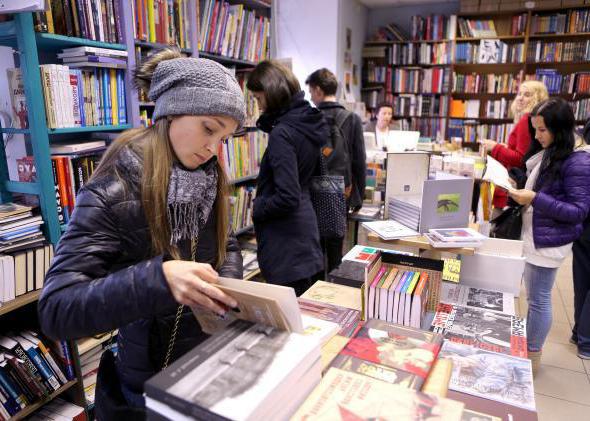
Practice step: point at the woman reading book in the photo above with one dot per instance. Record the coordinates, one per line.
(149, 235)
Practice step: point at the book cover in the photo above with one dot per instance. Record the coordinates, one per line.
(343, 395)
(347, 318)
(20, 119)
(400, 347)
(488, 410)
(237, 373)
(26, 170)
(479, 298)
(490, 375)
(340, 295)
(484, 329)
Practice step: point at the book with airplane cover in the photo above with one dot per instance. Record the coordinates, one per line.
(245, 372)
(390, 352)
(483, 299)
(346, 396)
(490, 375)
(489, 330)
(348, 319)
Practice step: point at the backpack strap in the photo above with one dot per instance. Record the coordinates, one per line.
(341, 117)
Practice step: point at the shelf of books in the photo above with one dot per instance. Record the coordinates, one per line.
(481, 57)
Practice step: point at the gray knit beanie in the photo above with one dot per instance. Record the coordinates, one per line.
(196, 86)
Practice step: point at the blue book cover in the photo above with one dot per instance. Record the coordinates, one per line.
(98, 97)
(14, 395)
(41, 364)
(121, 98)
(80, 83)
(106, 95)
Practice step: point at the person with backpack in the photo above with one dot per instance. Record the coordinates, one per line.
(345, 152)
(285, 221)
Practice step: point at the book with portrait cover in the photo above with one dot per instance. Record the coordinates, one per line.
(346, 396)
(245, 372)
(490, 375)
(489, 330)
(392, 353)
(480, 298)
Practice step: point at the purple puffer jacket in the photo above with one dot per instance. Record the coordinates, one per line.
(561, 206)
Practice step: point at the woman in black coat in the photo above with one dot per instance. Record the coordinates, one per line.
(154, 204)
(289, 251)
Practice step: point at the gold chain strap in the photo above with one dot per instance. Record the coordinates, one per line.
(178, 313)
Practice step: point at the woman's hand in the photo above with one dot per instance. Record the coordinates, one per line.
(523, 197)
(489, 145)
(191, 285)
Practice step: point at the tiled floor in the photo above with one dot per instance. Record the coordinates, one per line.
(562, 385)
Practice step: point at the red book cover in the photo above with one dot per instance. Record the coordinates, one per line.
(213, 26)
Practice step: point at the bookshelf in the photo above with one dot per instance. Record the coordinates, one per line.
(515, 31)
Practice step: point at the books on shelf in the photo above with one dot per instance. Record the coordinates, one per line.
(245, 372)
(162, 21)
(421, 105)
(581, 108)
(578, 83)
(479, 298)
(420, 81)
(83, 97)
(60, 409)
(19, 109)
(461, 108)
(423, 53)
(233, 31)
(98, 20)
(550, 52)
(487, 83)
(241, 203)
(240, 156)
(473, 28)
(252, 109)
(470, 132)
(490, 375)
(345, 395)
(483, 329)
(90, 359)
(23, 270)
(489, 51)
(432, 27)
(389, 32)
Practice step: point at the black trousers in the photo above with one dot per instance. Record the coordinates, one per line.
(581, 272)
(301, 285)
(332, 248)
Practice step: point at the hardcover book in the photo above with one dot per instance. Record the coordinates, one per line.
(344, 395)
(484, 329)
(490, 375)
(340, 295)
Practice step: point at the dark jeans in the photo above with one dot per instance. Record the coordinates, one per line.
(301, 285)
(332, 248)
(581, 272)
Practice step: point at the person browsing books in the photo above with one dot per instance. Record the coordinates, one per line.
(556, 200)
(511, 154)
(149, 235)
(285, 222)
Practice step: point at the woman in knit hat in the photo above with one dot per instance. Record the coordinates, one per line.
(149, 235)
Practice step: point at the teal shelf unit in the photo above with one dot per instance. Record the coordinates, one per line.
(20, 35)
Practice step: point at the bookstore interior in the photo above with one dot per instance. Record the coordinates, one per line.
(460, 286)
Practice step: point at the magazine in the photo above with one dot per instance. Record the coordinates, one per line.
(490, 375)
(489, 330)
(346, 396)
(484, 299)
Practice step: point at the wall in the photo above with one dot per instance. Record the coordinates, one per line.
(307, 32)
(401, 15)
(352, 15)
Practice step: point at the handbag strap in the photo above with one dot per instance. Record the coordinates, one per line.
(323, 164)
(179, 311)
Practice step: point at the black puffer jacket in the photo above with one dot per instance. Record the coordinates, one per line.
(103, 278)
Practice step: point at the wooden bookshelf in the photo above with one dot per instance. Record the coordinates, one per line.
(503, 25)
(31, 408)
(19, 302)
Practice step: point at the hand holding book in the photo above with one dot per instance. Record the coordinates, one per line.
(191, 284)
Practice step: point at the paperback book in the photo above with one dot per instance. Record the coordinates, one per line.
(390, 230)
(347, 318)
(479, 298)
(484, 329)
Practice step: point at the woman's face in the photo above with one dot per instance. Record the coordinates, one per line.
(195, 139)
(384, 117)
(523, 98)
(542, 133)
(261, 99)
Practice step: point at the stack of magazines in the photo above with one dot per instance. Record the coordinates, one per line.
(18, 227)
(406, 209)
(454, 237)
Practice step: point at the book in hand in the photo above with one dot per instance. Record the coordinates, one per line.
(497, 174)
(390, 352)
(245, 372)
(390, 230)
(268, 304)
(484, 329)
(482, 299)
(343, 395)
(490, 375)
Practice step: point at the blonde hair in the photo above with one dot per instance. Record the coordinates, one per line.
(153, 145)
(540, 94)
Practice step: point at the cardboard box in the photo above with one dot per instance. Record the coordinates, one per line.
(568, 3)
(511, 5)
(546, 4)
(488, 6)
(469, 6)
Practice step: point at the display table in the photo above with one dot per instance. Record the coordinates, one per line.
(419, 242)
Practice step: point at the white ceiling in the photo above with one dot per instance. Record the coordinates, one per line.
(386, 3)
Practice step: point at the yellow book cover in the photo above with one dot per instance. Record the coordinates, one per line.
(49, 15)
(437, 382)
(180, 29)
(340, 295)
(151, 21)
(114, 97)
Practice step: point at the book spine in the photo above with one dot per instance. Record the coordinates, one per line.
(21, 386)
(109, 18)
(68, 17)
(43, 368)
(60, 209)
(9, 403)
(89, 19)
(73, 79)
(36, 389)
(57, 12)
(82, 18)
(14, 392)
(118, 20)
(63, 190)
(31, 367)
(68, 363)
(75, 19)
(151, 21)
(104, 23)
(106, 97)
(51, 361)
(121, 97)
(114, 97)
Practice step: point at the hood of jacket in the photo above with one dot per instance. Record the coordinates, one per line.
(301, 116)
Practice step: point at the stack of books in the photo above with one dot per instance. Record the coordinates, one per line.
(454, 237)
(390, 230)
(19, 227)
(29, 371)
(406, 209)
(60, 409)
(23, 270)
(91, 350)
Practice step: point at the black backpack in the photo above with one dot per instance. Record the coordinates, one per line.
(335, 150)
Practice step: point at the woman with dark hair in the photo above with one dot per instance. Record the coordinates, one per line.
(581, 272)
(289, 251)
(556, 199)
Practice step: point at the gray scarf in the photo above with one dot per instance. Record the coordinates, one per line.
(191, 194)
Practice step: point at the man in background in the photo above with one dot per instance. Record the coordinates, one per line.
(322, 87)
